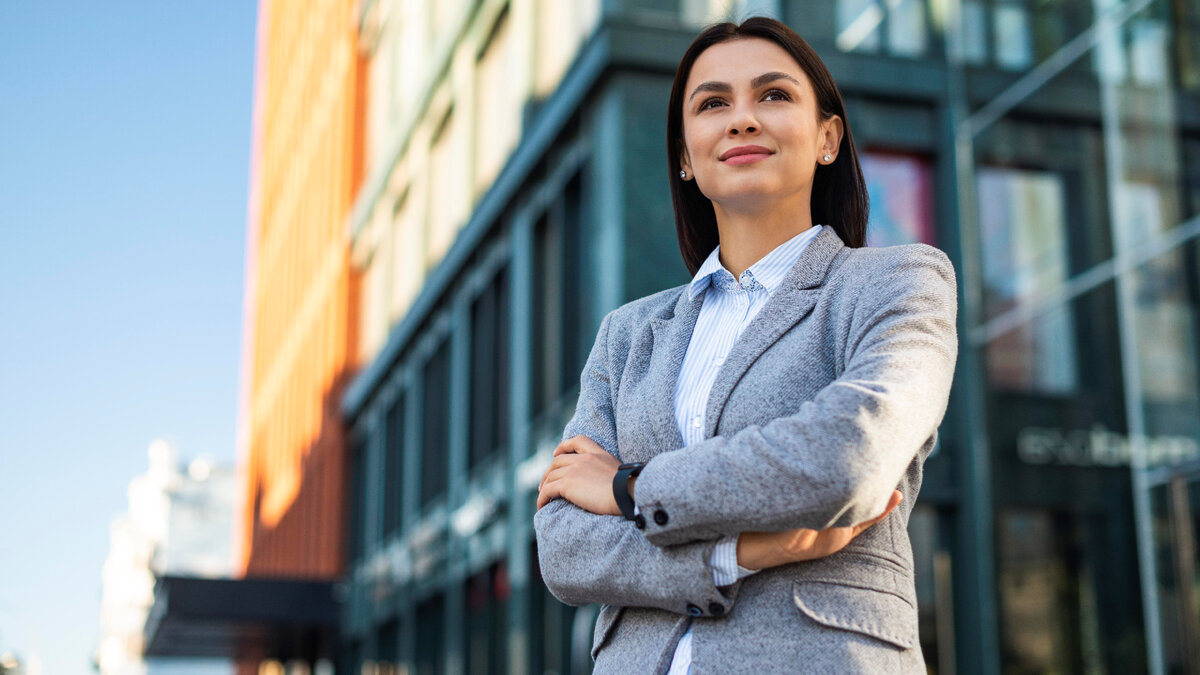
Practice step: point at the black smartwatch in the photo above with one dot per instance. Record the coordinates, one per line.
(621, 487)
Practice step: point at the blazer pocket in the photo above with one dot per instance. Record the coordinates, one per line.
(877, 613)
(606, 623)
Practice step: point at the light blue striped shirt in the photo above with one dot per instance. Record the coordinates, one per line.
(729, 306)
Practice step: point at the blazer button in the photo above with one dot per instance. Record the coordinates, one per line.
(660, 517)
(640, 521)
(694, 610)
(716, 608)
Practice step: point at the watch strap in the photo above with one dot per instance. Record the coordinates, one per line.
(621, 487)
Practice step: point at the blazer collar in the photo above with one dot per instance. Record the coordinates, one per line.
(790, 303)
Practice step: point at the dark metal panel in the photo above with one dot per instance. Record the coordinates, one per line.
(268, 618)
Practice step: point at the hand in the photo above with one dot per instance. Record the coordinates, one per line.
(582, 473)
(758, 550)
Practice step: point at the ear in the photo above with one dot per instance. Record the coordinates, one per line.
(831, 136)
(685, 160)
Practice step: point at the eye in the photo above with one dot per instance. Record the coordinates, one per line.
(710, 103)
(776, 95)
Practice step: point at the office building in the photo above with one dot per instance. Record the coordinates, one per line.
(516, 192)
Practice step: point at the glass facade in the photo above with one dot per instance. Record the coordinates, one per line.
(1086, 283)
(1052, 149)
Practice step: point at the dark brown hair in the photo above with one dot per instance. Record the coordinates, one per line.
(839, 193)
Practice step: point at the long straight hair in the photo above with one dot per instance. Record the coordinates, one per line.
(839, 193)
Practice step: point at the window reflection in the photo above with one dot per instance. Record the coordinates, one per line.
(900, 189)
(1023, 235)
(1166, 324)
(862, 26)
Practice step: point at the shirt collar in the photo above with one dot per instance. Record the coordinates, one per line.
(769, 271)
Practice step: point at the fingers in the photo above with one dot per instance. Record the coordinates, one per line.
(893, 502)
(548, 491)
(558, 463)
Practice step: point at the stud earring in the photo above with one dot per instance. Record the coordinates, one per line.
(683, 175)
(827, 157)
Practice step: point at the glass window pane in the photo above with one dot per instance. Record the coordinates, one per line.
(900, 189)
(436, 428)
(974, 32)
(393, 466)
(497, 107)
(450, 199)
(906, 27)
(1022, 233)
(1166, 317)
(1014, 43)
(489, 370)
(858, 25)
(431, 635)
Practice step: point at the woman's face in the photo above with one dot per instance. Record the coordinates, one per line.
(751, 132)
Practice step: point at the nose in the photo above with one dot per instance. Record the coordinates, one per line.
(743, 122)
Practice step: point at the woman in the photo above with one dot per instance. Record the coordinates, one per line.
(729, 483)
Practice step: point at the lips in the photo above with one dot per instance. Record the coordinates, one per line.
(744, 154)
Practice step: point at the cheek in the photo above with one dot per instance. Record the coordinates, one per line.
(698, 138)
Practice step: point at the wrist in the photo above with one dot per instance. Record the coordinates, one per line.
(751, 552)
(622, 485)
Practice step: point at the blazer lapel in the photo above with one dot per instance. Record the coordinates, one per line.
(672, 334)
(790, 303)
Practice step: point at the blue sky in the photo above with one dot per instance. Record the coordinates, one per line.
(124, 159)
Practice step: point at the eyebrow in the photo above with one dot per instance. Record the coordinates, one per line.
(725, 88)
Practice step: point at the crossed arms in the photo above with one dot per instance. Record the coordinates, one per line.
(837, 459)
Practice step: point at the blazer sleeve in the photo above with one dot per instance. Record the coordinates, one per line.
(836, 461)
(588, 558)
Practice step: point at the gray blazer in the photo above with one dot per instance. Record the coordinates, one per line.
(830, 399)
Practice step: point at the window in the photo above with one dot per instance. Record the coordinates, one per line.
(561, 28)
(1187, 44)
(431, 634)
(489, 370)
(1016, 34)
(895, 26)
(450, 201)
(497, 106)
(387, 650)
(557, 301)
(550, 627)
(393, 466)
(408, 264)
(1013, 35)
(435, 439)
(486, 621)
(900, 189)
(1024, 245)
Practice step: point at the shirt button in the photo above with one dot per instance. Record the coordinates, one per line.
(694, 610)
(719, 360)
(696, 422)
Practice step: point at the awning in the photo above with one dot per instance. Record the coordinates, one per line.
(242, 618)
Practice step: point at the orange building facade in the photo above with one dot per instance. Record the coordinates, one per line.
(298, 342)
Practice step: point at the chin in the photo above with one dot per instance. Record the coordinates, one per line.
(744, 197)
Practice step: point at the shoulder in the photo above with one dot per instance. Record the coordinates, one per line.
(888, 270)
(896, 260)
(638, 312)
(619, 327)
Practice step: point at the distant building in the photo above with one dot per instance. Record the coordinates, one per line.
(299, 351)
(179, 522)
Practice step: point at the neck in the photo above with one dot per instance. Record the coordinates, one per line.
(748, 235)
